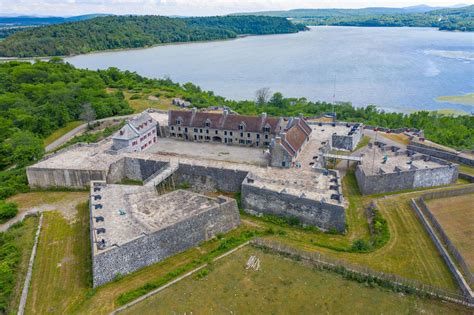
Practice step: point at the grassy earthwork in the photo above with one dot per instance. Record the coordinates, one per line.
(280, 286)
(23, 238)
(466, 169)
(142, 101)
(61, 132)
(62, 272)
(456, 216)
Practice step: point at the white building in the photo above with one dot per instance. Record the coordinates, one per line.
(138, 134)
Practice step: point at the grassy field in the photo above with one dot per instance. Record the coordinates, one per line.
(397, 137)
(24, 239)
(281, 286)
(363, 142)
(61, 274)
(62, 131)
(467, 99)
(456, 216)
(466, 169)
(141, 101)
(62, 266)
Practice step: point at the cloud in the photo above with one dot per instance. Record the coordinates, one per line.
(185, 7)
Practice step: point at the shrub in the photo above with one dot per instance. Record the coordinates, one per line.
(8, 210)
(360, 245)
(202, 273)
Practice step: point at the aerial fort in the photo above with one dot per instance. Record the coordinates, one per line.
(181, 158)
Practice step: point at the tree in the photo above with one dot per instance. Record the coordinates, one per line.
(262, 96)
(88, 113)
(26, 148)
(8, 210)
(277, 100)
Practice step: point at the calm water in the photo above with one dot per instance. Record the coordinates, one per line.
(400, 69)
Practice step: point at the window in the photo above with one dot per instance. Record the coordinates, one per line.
(179, 128)
(266, 136)
(258, 136)
(200, 130)
(242, 134)
(207, 130)
(283, 164)
(208, 124)
(248, 135)
(231, 133)
(195, 130)
(241, 126)
(217, 132)
(172, 127)
(241, 141)
(266, 129)
(225, 132)
(185, 129)
(178, 121)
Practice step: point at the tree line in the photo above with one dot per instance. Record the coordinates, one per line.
(115, 32)
(38, 98)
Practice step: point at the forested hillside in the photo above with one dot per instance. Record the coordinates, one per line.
(37, 99)
(113, 32)
(458, 19)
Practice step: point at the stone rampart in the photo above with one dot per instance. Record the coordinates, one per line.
(133, 168)
(381, 183)
(439, 153)
(324, 215)
(48, 177)
(203, 178)
(149, 249)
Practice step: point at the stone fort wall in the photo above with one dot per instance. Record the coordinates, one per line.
(149, 249)
(47, 177)
(381, 183)
(445, 155)
(203, 178)
(325, 216)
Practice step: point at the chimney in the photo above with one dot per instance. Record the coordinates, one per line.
(194, 110)
(225, 112)
(278, 140)
(301, 116)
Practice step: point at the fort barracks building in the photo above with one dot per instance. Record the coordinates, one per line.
(224, 127)
(138, 134)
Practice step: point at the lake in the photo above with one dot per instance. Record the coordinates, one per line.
(398, 69)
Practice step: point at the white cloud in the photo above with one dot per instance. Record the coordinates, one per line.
(189, 7)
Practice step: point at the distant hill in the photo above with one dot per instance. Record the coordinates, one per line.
(456, 18)
(12, 24)
(34, 20)
(115, 32)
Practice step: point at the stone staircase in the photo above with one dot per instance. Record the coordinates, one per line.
(162, 174)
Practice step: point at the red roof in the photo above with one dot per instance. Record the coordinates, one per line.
(225, 121)
(296, 136)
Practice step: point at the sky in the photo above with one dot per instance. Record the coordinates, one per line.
(191, 7)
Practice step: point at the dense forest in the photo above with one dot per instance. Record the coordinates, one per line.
(113, 32)
(39, 98)
(455, 19)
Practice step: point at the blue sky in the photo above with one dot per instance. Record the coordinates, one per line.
(190, 7)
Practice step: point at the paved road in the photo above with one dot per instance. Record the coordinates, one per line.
(79, 129)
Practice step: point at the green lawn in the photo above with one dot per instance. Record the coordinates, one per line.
(281, 286)
(23, 237)
(62, 131)
(466, 169)
(363, 142)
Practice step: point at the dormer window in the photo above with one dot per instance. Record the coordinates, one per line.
(121, 132)
(178, 121)
(266, 128)
(207, 123)
(242, 126)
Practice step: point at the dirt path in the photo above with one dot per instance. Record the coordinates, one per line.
(36, 202)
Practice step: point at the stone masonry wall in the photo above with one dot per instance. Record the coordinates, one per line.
(149, 249)
(264, 201)
(381, 183)
(445, 155)
(204, 179)
(136, 169)
(47, 177)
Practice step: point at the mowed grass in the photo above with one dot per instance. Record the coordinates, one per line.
(61, 272)
(61, 132)
(281, 286)
(397, 137)
(456, 216)
(141, 101)
(409, 253)
(24, 239)
(466, 169)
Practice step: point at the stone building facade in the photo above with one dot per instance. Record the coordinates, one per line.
(227, 128)
(286, 147)
(138, 134)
